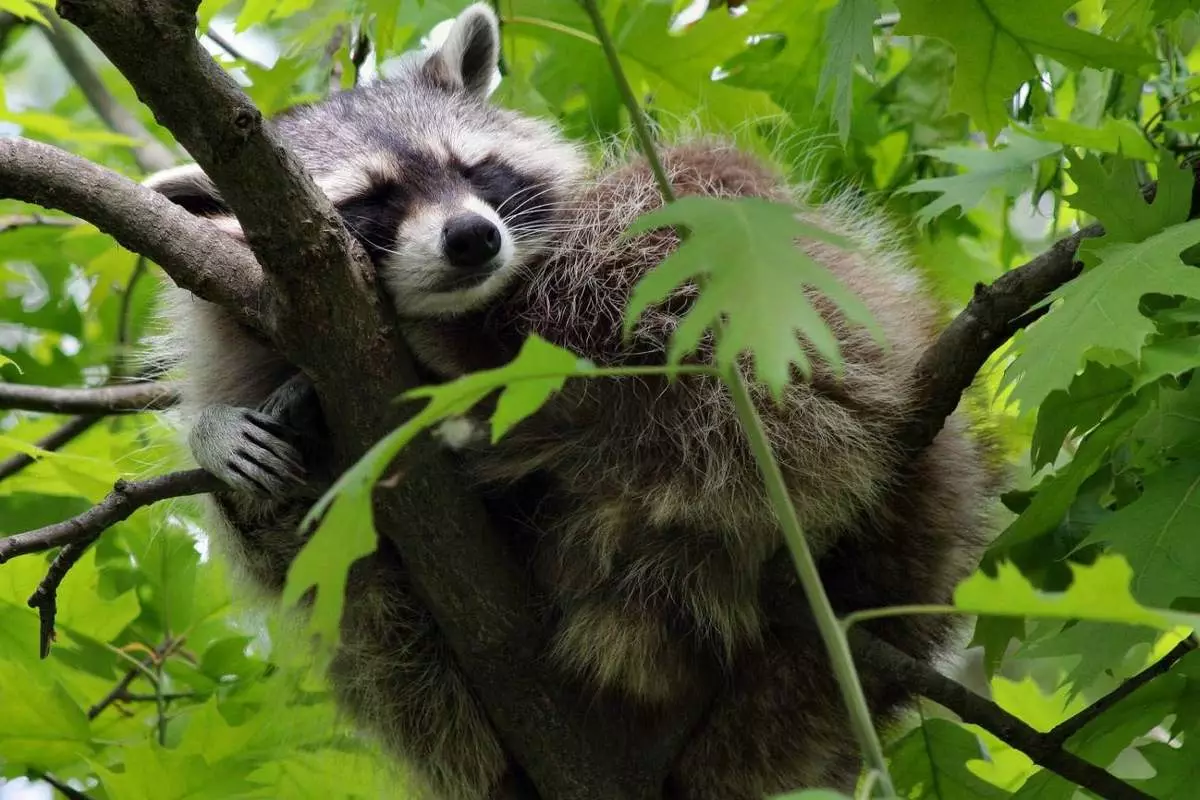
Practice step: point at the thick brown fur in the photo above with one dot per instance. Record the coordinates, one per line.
(648, 527)
(655, 533)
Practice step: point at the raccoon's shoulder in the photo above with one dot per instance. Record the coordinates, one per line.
(578, 296)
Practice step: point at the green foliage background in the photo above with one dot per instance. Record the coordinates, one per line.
(987, 129)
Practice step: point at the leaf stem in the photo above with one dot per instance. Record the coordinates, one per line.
(828, 624)
(550, 25)
(855, 617)
(635, 109)
(830, 628)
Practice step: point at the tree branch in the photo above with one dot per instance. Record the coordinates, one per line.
(226, 45)
(1043, 749)
(125, 498)
(995, 313)
(125, 398)
(193, 252)
(150, 154)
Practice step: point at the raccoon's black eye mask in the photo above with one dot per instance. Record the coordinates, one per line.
(374, 218)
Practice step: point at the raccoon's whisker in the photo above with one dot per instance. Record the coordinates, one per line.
(521, 191)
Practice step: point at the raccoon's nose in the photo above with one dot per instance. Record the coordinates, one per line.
(470, 240)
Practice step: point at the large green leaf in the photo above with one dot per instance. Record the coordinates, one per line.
(755, 280)
(995, 42)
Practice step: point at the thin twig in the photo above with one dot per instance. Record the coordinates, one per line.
(52, 441)
(124, 319)
(45, 597)
(150, 154)
(15, 221)
(125, 498)
(126, 398)
(922, 679)
(226, 45)
(1069, 727)
(66, 790)
(121, 690)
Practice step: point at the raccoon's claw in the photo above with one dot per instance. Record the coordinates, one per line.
(247, 450)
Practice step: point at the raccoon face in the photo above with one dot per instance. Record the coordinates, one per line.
(451, 196)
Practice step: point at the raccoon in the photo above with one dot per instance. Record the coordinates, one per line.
(648, 526)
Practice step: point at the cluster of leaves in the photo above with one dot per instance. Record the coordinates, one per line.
(992, 126)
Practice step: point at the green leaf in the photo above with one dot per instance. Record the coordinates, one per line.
(1157, 532)
(1176, 768)
(1055, 496)
(1100, 310)
(1091, 395)
(522, 398)
(1009, 168)
(43, 727)
(26, 9)
(1099, 592)
(1113, 195)
(995, 41)
(931, 762)
(850, 36)
(347, 529)
(1113, 136)
(755, 279)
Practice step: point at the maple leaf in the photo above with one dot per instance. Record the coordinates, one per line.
(1009, 167)
(995, 41)
(1112, 194)
(850, 37)
(755, 280)
(1099, 592)
(1100, 310)
(1156, 534)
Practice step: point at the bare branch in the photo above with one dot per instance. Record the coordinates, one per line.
(193, 252)
(65, 789)
(125, 498)
(126, 398)
(994, 314)
(52, 441)
(45, 597)
(226, 45)
(14, 221)
(121, 690)
(922, 679)
(150, 154)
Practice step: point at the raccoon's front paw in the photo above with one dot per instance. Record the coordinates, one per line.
(247, 450)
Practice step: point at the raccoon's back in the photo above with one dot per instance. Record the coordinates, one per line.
(646, 449)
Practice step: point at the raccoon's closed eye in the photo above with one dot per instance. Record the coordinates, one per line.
(373, 217)
(499, 184)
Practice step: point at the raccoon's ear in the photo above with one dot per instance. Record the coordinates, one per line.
(468, 57)
(188, 187)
